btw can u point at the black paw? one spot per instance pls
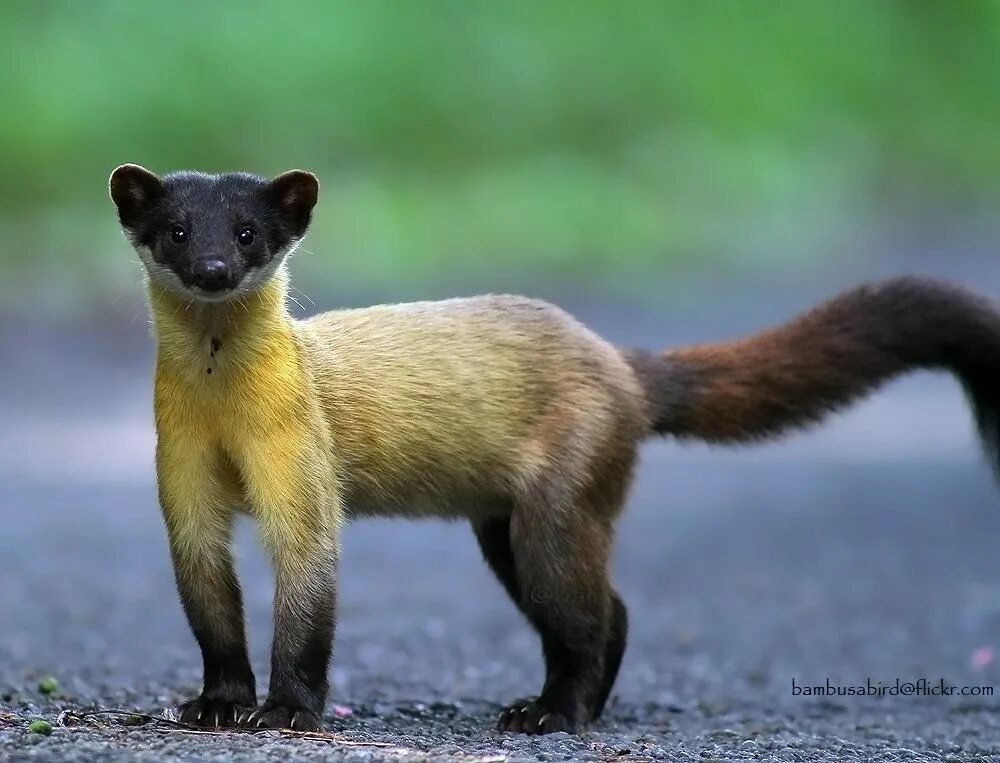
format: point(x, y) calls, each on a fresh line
point(528, 717)
point(276, 716)
point(213, 713)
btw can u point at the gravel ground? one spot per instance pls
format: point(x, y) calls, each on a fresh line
point(866, 550)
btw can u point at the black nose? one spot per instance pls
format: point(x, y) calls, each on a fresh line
point(211, 275)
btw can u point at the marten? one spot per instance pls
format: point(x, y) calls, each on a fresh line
point(501, 410)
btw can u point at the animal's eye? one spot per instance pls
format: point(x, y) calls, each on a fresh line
point(245, 236)
point(178, 235)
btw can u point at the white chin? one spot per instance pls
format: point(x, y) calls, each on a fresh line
point(200, 295)
point(168, 280)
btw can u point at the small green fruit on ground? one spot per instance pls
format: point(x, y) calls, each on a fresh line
point(48, 685)
point(40, 727)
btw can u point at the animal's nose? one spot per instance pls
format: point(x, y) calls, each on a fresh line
point(211, 274)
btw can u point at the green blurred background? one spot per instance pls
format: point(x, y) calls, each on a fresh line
point(474, 146)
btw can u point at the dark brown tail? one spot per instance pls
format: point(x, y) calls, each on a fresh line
point(792, 375)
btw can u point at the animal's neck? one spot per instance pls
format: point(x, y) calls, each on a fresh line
point(204, 335)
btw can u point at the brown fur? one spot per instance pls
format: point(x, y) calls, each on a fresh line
point(792, 375)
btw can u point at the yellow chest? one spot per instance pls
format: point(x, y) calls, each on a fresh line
point(237, 420)
point(220, 390)
point(251, 427)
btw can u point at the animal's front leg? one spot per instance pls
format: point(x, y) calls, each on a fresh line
point(210, 594)
point(304, 619)
point(298, 516)
point(197, 499)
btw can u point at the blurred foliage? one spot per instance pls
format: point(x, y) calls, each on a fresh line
point(458, 139)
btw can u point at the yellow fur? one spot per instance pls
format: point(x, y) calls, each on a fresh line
point(445, 408)
point(248, 434)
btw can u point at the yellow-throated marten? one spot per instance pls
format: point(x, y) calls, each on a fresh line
point(503, 410)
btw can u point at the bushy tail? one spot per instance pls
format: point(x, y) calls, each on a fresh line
point(790, 376)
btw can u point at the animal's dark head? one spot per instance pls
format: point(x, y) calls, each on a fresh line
point(211, 237)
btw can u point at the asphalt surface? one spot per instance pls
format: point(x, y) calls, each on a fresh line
point(863, 551)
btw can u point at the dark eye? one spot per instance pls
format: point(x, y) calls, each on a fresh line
point(245, 236)
point(178, 235)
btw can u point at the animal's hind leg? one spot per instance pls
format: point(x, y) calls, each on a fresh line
point(560, 558)
point(493, 535)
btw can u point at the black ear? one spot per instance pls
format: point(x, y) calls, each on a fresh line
point(294, 193)
point(134, 190)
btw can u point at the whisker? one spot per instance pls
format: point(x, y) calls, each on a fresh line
point(305, 296)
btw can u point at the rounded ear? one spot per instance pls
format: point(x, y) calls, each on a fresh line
point(134, 190)
point(295, 193)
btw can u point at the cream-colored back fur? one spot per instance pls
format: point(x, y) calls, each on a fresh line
point(440, 406)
